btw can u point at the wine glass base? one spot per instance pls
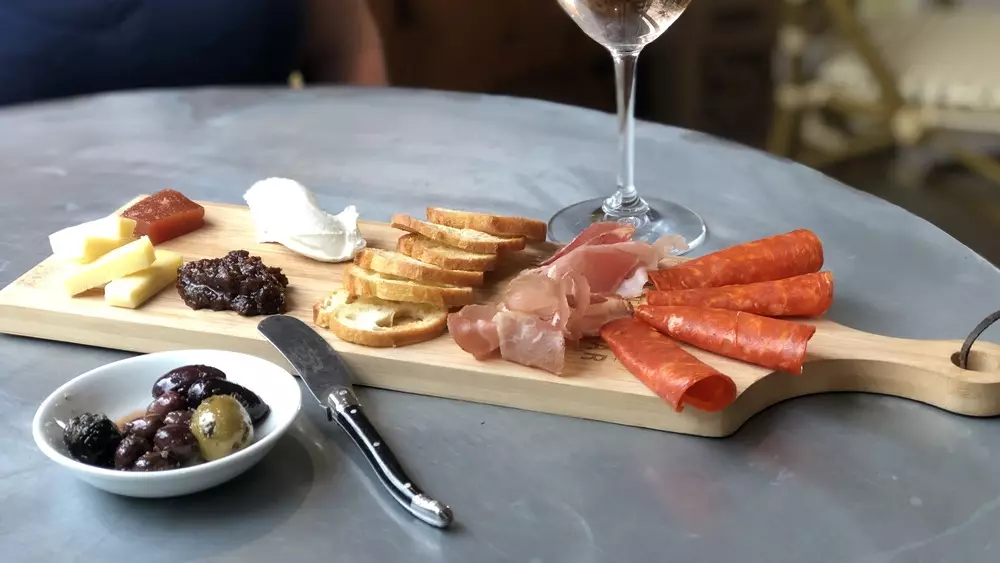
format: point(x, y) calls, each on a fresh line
point(664, 218)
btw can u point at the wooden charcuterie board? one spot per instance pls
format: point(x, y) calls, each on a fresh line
point(594, 385)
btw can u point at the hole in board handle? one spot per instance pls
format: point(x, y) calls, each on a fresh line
point(979, 361)
point(966, 358)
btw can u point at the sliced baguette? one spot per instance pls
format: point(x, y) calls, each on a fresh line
point(431, 251)
point(366, 283)
point(493, 224)
point(401, 265)
point(370, 321)
point(466, 239)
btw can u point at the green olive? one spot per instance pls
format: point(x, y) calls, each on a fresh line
point(222, 426)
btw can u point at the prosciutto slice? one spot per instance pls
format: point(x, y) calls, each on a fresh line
point(578, 298)
point(601, 311)
point(597, 234)
point(632, 286)
point(530, 341)
point(536, 294)
point(571, 296)
point(605, 266)
point(474, 330)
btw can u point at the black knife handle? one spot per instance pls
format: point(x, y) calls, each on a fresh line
point(351, 417)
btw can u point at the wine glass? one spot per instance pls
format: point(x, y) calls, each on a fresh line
point(624, 27)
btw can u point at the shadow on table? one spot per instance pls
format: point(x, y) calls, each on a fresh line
point(219, 519)
point(871, 430)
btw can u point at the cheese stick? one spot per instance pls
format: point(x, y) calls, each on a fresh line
point(135, 289)
point(134, 256)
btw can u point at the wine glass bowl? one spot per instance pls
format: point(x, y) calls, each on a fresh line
point(624, 27)
point(624, 24)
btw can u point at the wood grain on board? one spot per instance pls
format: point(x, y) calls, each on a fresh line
point(593, 386)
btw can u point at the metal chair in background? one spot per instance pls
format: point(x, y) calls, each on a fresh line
point(924, 82)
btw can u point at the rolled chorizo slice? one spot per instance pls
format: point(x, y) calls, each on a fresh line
point(808, 295)
point(772, 343)
point(668, 370)
point(773, 258)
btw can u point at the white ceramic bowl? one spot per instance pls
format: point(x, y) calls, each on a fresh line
point(123, 387)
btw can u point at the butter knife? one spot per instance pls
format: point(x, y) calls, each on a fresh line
point(328, 379)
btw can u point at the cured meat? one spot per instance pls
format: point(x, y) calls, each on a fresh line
point(474, 331)
point(668, 370)
point(808, 295)
point(573, 296)
point(601, 311)
point(606, 232)
point(772, 343)
point(633, 285)
point(605, 266)
point(578, 297)
point(530, 341)
point(772, 258)
point(536, 294)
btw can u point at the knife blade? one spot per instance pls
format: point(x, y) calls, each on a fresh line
point(328, 379)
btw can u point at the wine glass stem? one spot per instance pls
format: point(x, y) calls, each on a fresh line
point(626, 201)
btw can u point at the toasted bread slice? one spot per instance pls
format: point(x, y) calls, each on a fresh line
point(431, 251)
point(466, 239)
point(500, 225)
point(370, 321)
point(401, 265)
point(366, 283)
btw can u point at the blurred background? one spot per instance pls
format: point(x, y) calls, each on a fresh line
point(900, 98)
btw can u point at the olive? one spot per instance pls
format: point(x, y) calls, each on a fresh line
point(156, 461)
point(178, 440)
point(203, 389)
point(177, 417)
point(92, 439)
point(145, 426)
point(129, 449)
point(222, 426)
point(169, 401)
point(180, 379)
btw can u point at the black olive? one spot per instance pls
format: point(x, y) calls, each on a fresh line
point(169, 401)
point(145, 426)
point(180, 379)
point(129, 450)
point(156, 461)
point(204, 389)
point(178, 440)
point(92, 439)
point(177, 417)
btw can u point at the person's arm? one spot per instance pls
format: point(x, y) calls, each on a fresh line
point(343, 44)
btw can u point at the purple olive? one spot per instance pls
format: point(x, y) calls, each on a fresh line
point(169, 401)
point(180, 379)
point(145, 426)
point(156, 461)
point(178, 440)
point(177, 417)
point(129, 450)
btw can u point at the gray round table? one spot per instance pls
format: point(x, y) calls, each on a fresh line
point(845, 477)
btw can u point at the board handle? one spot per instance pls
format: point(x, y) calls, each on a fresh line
point(922, 370)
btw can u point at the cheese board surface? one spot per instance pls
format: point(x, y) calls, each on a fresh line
point(594, 385)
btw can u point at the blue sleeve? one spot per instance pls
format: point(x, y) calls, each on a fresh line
point(52, 48)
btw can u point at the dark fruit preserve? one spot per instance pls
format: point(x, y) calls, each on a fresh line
point(237, 282)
